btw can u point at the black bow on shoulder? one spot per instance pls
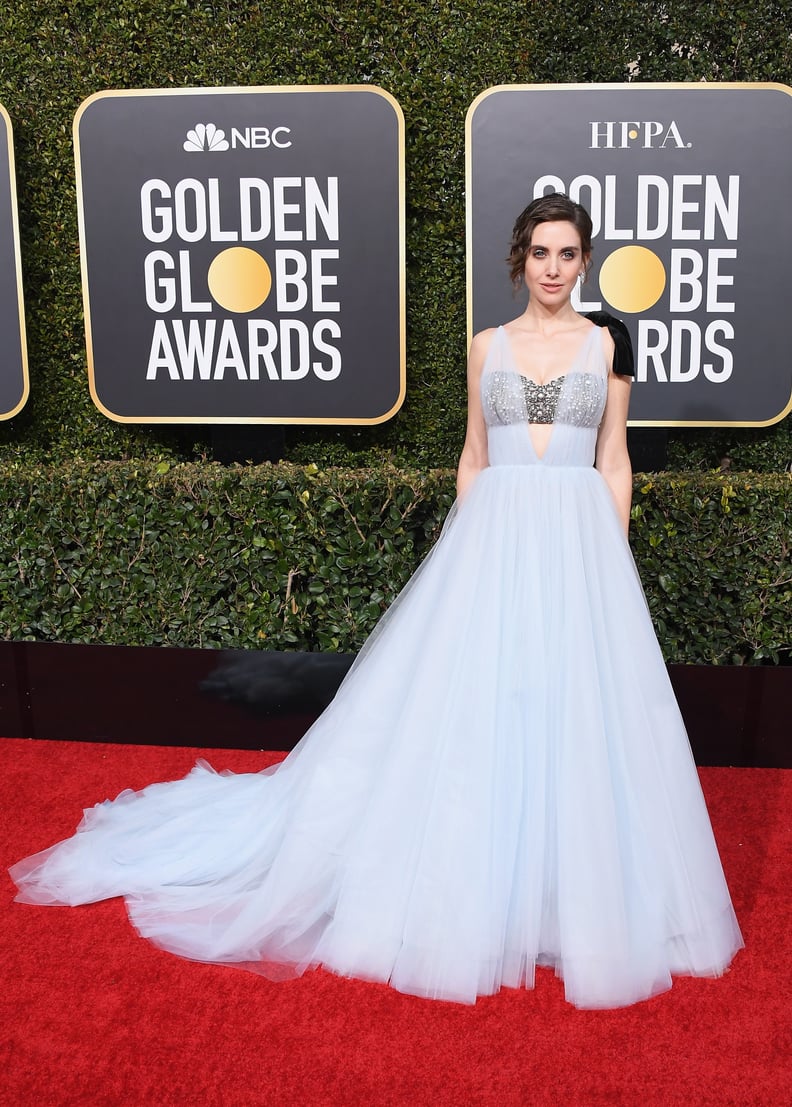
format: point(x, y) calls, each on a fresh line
point(623, 359)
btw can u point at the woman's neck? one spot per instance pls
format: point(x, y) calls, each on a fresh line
point(547, 320)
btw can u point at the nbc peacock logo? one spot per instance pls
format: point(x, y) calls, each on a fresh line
point(206, 137)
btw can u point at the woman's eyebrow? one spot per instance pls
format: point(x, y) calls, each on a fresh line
point(541, 246)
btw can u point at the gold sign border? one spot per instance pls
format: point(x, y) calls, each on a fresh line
point(700, 86)
point(18, 269)
point(243, 90)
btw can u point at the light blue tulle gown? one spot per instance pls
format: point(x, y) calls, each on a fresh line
point(502, 781)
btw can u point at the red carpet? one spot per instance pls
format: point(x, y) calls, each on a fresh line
point(90, 1014)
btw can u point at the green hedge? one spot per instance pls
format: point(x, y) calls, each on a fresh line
point(435, 58)
point(288, 557)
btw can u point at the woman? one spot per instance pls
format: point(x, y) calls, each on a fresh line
point(503, 779)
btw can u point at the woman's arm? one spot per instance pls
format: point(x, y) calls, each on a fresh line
point(612, 459)
point(474, 455)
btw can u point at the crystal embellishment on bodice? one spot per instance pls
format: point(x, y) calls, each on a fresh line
point(537, 405)
point(511, 397)
point(541, 400)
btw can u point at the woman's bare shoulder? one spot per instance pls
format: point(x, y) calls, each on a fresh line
point(482, 339)
point(479, 347)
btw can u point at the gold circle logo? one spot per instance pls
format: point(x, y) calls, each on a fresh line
point(632, 279)
point(239, 279)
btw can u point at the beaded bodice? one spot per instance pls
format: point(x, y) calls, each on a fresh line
point(537, 404)
point(571, 402)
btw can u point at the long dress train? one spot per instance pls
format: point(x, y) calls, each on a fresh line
point(503, 779)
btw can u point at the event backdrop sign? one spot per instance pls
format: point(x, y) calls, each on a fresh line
point(690, 191)
point(243, 254)
point(13, 355)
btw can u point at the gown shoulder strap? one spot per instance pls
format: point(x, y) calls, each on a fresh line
point(497, 351)
point(623, 358)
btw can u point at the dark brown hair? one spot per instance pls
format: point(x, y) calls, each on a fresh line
point(553, 208)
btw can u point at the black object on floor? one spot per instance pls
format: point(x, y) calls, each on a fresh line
point(251, 699)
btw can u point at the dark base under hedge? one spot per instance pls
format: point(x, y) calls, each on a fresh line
point(736, 715)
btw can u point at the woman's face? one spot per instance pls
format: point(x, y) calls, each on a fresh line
point(554, 262)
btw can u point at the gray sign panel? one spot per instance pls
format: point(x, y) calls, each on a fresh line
point(688, 187)
point(243, 254)
point(13, 354)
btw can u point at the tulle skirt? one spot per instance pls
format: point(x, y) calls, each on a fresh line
point(503, 780)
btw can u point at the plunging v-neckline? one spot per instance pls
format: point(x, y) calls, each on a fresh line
point(550, 380)
point(563, 377)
